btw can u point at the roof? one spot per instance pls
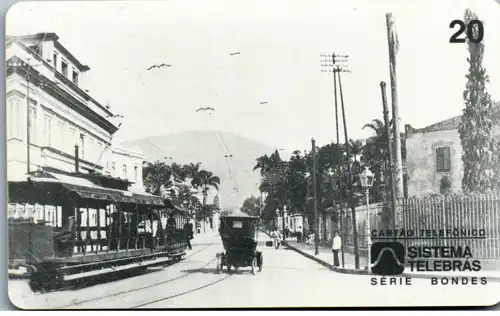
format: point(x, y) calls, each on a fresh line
point(45, 185)
point(453, 123)
point(52, 37)
point(238, 214)
point(68, 99)
point(446, 125)
point(128, 150)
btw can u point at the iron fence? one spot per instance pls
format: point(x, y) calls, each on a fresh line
point(457, 217)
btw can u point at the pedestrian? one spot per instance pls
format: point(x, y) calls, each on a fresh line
point(299, 235)
point(336, 246)
point(188, 234)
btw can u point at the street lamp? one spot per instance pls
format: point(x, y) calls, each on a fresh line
point(366, 179)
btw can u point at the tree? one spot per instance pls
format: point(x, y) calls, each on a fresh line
point(178, 172)
point(264, 164)
point(479, 147)
point(207, 180)
point(156, 176)
point(192, 172)
point(356, 148)
point(251, 206)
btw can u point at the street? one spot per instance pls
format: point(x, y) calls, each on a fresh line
point(287, 280)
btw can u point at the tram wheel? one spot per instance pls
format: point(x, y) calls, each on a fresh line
point(35, 282)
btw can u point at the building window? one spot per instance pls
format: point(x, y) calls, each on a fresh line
point(136, 173)
point(33, 134)
point(54, 60)
point(72, 140)
point(113, 169)
point(82, 146)
point(60, 135)
point(443, 159)
point(99, 153)
point(64, 69)
point(47, 130)
point(75, 77)
point(124, 171)
point(91, 150)
point(14, 119)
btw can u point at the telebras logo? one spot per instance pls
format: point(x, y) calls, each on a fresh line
point(388, 259)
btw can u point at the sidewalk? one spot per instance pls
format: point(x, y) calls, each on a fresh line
point(325, 258)
point(205, 239)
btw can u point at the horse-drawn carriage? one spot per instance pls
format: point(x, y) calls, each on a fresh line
point(239, 233)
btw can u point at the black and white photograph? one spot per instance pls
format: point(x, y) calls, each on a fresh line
point(190, 154)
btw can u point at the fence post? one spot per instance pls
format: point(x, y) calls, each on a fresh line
point(443, 216)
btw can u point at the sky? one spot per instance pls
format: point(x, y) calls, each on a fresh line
point(280, 42)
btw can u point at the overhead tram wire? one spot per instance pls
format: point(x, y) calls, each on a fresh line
point(214, 134)
point(224, 149)
point(156, 149)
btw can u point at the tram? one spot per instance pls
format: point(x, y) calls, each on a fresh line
point(68, 226)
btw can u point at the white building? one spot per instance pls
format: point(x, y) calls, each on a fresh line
point(434, 155)
point(62, 114)
point(42, 72)
point(127, 163)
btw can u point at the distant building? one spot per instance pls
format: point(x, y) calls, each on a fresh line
point(126, 164)
point(434, 154)
point(61, 112)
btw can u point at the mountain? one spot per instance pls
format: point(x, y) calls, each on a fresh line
point(210, 148)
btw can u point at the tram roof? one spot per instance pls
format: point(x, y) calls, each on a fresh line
point(45, 187)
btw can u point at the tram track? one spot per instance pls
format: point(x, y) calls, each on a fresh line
point(100, 298)
point(182, 293)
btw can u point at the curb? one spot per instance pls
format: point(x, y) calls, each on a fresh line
point(366, 272)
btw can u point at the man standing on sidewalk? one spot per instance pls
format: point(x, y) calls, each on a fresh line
point(336, 246)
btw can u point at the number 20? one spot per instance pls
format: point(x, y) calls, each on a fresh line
point(470, 34)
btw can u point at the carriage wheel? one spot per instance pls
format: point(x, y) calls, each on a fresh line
point(254, 265)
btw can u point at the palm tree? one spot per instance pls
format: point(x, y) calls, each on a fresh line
point(207, 180)
point(356, 148)
point(377, 126)
point(192, 172)
point(156, 177)
point(375, 156)
point(178, 172)
point(264, 163)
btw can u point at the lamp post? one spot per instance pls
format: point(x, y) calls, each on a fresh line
point(366, 179)
point(307, 176)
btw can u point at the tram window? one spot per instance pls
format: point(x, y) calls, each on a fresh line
point(237, 224)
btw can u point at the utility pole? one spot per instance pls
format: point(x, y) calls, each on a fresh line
point(340, 160)
point(339, 65)
point(393, 43)
point(282, 176)
point(351, 187)
point(28, 121)
point(316, 244)
point(391, 167)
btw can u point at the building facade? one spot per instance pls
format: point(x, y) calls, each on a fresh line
point(434, 157)
point(45, 80)
point(125, 163)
